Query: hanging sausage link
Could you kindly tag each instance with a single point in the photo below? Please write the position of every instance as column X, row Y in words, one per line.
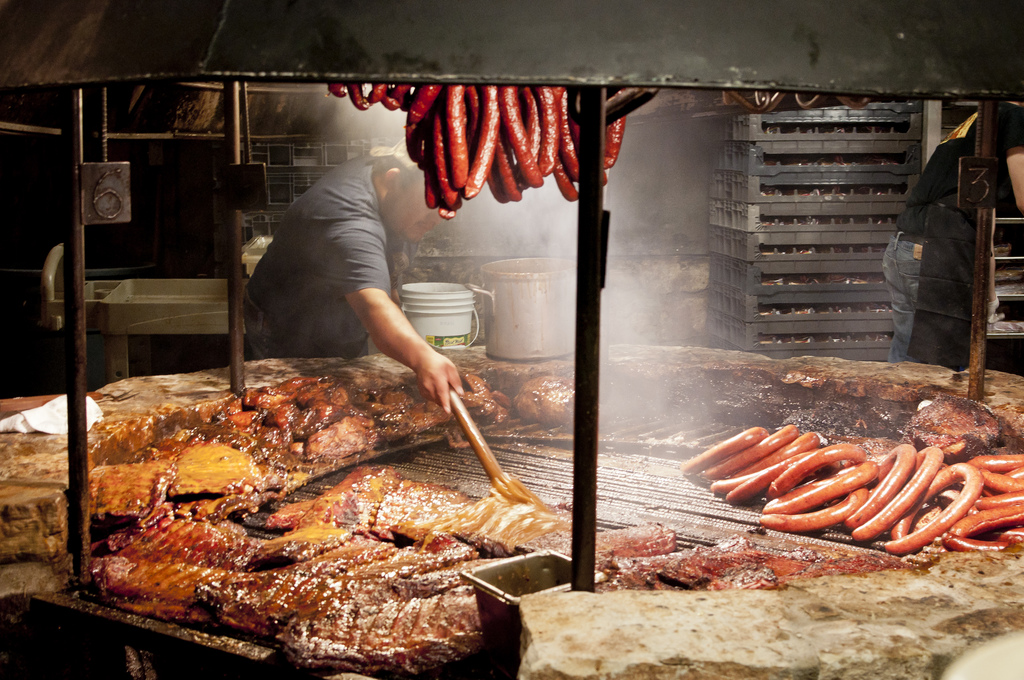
column 464, row 136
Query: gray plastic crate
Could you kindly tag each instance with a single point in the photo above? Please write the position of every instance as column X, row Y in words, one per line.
column 872, row 306
column 741, row 304
column 756, row 335
column 786, row 242
column 751, row 159
column 771, row 278
column 754, row 217
column 734, row 185
column 843, row 346
column 887, row 134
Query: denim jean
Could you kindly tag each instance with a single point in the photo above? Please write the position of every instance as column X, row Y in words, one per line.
column 902, row 273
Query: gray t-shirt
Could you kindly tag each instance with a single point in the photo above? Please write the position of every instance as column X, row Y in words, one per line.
column 331, row 242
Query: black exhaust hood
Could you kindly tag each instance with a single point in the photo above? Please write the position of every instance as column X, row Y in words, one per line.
column 935, row 49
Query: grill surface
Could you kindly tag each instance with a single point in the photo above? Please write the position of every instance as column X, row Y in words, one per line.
column 638, row 481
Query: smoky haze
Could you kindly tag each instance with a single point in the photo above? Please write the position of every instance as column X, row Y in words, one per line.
column 657, row 194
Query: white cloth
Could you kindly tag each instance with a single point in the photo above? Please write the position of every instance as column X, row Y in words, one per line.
column 50, row 418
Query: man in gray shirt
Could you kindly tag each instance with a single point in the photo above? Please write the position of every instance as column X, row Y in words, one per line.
column 328, row 279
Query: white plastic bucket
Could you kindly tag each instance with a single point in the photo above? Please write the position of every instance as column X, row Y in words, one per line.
column 441, row 313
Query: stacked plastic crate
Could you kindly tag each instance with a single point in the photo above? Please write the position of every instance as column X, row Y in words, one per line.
column 292, row 168
column 803, row 204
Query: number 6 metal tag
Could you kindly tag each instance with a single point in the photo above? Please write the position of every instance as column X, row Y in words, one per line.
column 977, row 183
column 106, row 193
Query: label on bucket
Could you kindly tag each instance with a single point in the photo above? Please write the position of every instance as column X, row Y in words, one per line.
column 447, row 340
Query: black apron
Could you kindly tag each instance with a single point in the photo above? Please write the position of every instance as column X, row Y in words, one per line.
column 942, row 318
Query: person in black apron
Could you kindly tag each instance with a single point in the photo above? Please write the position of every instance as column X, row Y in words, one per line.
column 929, row 263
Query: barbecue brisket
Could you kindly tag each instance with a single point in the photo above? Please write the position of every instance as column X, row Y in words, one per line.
column 962, row 428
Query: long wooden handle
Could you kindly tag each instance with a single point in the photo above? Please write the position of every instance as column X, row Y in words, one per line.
column 476, row 439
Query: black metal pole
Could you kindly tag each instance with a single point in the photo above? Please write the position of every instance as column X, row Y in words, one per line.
column 75, row 358
column 986, row 131
column 236, row 290
column 588, row 336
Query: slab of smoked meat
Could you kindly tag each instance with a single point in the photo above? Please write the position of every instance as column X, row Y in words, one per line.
column 300, row 545
column 735, row 563
column 224, row 546
column 260, row 603
column 406, row 636
column 352, row 503
column 410, row 507
column 341, row 440
column 547, row 399
column 960, row 427
column 404, row 422
column 220, row 470
column 129, row 492
column 159, row 590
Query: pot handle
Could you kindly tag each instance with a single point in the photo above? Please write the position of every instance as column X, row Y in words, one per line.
column 482, row 291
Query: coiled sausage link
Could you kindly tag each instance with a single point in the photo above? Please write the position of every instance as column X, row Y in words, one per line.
column 565, row 185
column 547, row 102
column 802, row 444
column 458, row 147
column 819, row 519
column 1001, row 501
column 566, row 148
column 820, row 492
column 957, row 510
column 905, row 499
column 752, row 454
column 906, row 461
column 422, row 101
column 487, row 141
column 837, row 453
column 959, row 544
column 613, row 141
column 998, row 462
column 1001, row 483
column 355, row 94
column 988, row 520
column 503, row 173
column 724, row 449
column 754, row 484
column 448, row 194
column 518, row 137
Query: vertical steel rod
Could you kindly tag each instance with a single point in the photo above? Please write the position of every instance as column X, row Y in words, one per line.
column 986, row 131
column 236, row 323
column 588, row 336
column 75, row 359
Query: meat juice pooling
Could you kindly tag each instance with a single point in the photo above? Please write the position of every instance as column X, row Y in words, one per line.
column 532, row 312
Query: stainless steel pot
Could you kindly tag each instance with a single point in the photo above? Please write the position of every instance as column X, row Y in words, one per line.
column 532, row 315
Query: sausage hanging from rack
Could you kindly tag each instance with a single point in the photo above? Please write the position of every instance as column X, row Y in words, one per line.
column 464, row 136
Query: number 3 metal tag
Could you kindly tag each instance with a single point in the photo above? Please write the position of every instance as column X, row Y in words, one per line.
column 977, row 184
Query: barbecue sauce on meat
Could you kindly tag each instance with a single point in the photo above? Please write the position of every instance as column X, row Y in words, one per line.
column 511, row 515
